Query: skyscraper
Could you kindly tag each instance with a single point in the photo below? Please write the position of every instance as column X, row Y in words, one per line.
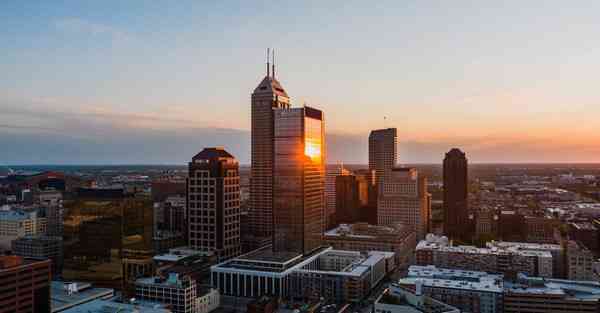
column 455, row 195
column 268, row 96
column 404, row 199
column 299, row 177
column 383, row 153
column 214, row 203
column 332, row 172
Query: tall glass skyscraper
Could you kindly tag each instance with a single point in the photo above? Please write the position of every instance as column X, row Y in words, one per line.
column 299, row 179
column 268, row 96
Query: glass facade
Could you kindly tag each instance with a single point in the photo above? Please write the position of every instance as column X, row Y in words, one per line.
column 298, row 191
column 102, row 232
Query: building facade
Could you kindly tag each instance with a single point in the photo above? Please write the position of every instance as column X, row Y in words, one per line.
column 178, row 292
column 214, row 203
column 403, row 198
column 41, row 247
column 268, row 96
column 15, row 224
column 456, row 182
column 331, row 199
column 298, row 185
column 24, row 285
column 383, row 151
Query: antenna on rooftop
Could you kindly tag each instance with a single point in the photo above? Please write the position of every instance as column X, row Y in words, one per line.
column 273, row 70
column 268, row 69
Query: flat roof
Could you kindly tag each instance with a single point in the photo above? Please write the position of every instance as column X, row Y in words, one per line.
column 106, row 306
column 61, row 300
column 270, row 256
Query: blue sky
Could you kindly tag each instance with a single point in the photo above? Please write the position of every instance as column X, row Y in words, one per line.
column 152, row 82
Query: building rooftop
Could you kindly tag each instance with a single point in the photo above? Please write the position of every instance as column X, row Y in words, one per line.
column 569, row 289
column 432, row 276
column 106, row 306
column 411, row 302
column 65, row 295
column 16, row 215
column 367, row 231
column 212, row 153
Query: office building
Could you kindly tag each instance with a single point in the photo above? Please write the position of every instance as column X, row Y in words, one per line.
column 352, row 199
column 25, row 285
column 268, row 96
column 41, row 247
column 299, row 178
column 15, row 224
column 383, row 151
column 456, row 182
column 403, row 198
column 539, row 295
column 469, row 291
column 399, row 239
column 397, row 299
column 508, row 259
column 103, row 227
column 331, row 199
column 338, row 276
column 214, row 203
column 557, row 252
column 178, row 292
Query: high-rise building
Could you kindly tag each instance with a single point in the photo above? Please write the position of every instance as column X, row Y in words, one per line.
column 299, row 177
column 403, row 198
column 332, row 172
column 352, row 198
column 24, row 285
column 214, row 203
column 455, row 195
column 18, row 223
column 383, row 153
column 268, row 96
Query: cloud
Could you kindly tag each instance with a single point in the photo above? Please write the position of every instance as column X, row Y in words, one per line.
column 79, row 26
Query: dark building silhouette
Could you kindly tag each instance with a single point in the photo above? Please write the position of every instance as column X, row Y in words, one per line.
column 268, row 96
column 352, row 199
column 24, row 285
column 455, row 195
column 214, row 203
column 383, row 151
column 299, row 180
column 41, row 247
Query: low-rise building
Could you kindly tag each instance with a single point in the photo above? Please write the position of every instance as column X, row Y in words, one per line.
column 539, row 295
column 399, row 239
column 469, row 291
column 71, row 296
column 332, row 274
column 397, row 299
column 178, row 292
column 505, row 259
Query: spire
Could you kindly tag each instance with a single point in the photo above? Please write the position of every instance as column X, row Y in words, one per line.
column 273, row 70
column 268, row 55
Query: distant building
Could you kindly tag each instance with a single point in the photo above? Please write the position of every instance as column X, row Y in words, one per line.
column 25, row 285
column 15, row 224
column 456, row 182
column 352, row 199
column 383, row 151
column 397, row 299
column 403, row 198
column 268, row 96
column 299, row 178
column 178, row 292
column 331, row 199
column 540, row 229
column 264, row 304
column 214, row 203
column 585, row 233
column 41, row 247
column 469, row 291
column 399, row 239
column 167, row 186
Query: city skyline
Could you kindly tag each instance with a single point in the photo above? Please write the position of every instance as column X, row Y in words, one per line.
column 487, row 80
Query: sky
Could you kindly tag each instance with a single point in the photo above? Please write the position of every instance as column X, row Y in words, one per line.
column 117, row 82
